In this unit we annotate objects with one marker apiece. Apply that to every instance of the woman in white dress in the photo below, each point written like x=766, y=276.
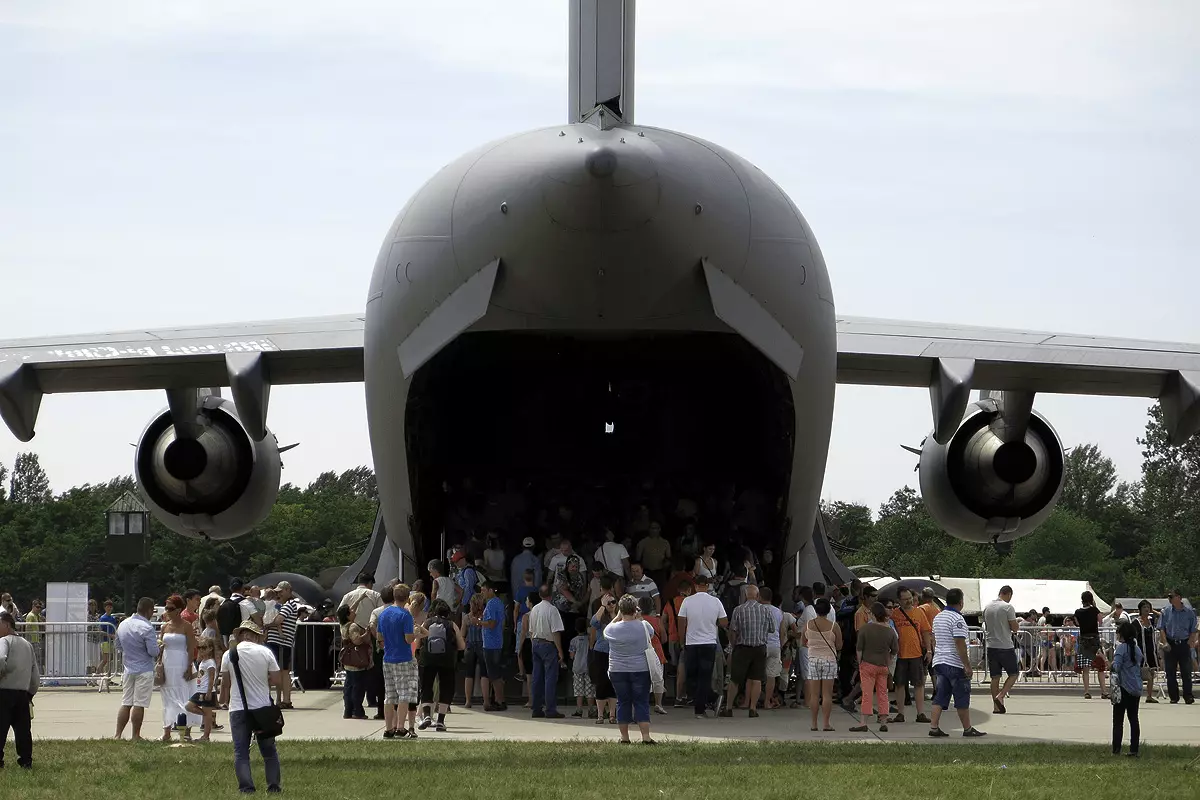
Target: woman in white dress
x=176, y=648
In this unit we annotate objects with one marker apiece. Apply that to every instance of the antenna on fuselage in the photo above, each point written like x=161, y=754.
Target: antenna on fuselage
x=600, y=58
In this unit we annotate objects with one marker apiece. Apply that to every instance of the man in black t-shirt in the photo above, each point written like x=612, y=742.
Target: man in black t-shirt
x=1088, y=618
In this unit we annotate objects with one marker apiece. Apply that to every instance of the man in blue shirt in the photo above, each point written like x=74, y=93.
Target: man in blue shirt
x=138, y=644
x=108, y=632
x=467, y=578
x=524, y=561
x=493, y=648
x=1178, y=625
x=400, y=684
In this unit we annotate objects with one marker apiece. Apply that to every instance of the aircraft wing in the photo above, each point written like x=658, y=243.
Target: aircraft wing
x=946, y=358
x=953, y=359
x=312, y=350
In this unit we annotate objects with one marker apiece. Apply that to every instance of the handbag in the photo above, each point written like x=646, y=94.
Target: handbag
x=651, y=656
x=160, y=673
x=355, y=656
x=266, y=721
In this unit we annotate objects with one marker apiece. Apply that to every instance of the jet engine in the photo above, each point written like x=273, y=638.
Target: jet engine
x=993, y=481
x=215, y=482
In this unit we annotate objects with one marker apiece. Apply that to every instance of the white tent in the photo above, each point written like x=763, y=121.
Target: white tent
x=1062, y=597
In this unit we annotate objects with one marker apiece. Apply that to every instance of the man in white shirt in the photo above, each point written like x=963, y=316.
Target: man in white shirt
x=256, y=671
x=699, y=617
x=613, y=555
x=952, y=665
x=1001, y=623
x=558, y=561
x=545, y=628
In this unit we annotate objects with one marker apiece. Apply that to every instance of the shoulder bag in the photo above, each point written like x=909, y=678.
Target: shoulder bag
x=266, y=721
x=652, y=663
x=355, y=656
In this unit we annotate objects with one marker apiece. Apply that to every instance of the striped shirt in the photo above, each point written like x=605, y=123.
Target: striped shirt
x=285, y=634
x=948, y=626
x=753, y=623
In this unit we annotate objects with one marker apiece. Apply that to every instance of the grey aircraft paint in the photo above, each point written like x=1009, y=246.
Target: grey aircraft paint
x=602, y=227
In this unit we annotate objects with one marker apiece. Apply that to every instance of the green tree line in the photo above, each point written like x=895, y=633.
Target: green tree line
x=46, y=537
x=1128, y=539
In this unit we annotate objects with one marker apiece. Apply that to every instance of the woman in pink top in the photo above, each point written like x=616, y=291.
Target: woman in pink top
x=824, y=641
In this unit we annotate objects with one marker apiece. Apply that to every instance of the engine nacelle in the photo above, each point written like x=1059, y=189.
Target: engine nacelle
x=216, y=486
x=982, y=489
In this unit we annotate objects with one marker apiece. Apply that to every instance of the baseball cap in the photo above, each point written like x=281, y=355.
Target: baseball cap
x=527, y=541
x=283, y=585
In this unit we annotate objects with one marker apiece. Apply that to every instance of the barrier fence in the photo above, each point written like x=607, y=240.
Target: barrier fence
x=85, y=654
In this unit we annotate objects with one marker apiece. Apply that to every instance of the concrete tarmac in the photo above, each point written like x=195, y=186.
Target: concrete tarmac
x=1034, y=715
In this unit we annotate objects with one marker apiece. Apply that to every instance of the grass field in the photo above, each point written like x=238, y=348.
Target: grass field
x=493, y=770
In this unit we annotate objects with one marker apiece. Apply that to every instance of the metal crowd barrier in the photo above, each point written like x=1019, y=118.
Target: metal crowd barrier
x=85, y=654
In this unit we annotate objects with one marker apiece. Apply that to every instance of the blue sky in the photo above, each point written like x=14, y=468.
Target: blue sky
x=1017, y=164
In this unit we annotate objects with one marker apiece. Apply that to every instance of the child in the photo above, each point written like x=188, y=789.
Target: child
x=584, y=691
x=443, y=587
x=204, y=700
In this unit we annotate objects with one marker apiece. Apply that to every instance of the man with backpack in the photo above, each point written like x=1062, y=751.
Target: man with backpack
x=234, y=610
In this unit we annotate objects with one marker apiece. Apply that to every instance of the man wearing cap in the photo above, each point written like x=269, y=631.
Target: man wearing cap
x=258, y=672
x=281, y=638
x=525, y=560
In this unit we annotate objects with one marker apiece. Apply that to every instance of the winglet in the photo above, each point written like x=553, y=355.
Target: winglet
x=20, y=398
x=1180, y=401
x=949, y=391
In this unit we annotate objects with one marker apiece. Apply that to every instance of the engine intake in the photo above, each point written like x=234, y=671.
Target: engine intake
x=218, y=485
x=980, y=488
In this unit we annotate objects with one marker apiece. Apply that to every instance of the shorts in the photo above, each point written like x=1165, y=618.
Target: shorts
x=774, y=663
x=201, y=701
x=136, y=689
x=400, y=683
x=493, y=664
x=582, y=685
x=951, y=682
x=910, y=672
x=106, y=648
x=283, y=654
x=1002, y=660
x=822, y=669
x=472, y=657
x=748, y=664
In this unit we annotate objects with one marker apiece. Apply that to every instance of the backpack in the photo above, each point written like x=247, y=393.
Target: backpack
x=438, y=642
x=229, y=616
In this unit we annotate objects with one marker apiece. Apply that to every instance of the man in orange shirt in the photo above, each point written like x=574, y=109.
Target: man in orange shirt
x=916, y=652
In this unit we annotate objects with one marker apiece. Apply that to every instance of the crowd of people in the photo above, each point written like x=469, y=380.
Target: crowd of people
x=616, y=632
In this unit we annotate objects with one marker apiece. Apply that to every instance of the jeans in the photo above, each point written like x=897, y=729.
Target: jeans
x=1128, y=707
x=545, y=677
x=1179, y=658
x=14, y=713
x=353, y=691
x=240, y=728
x=700, y=659
x=633, y=696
